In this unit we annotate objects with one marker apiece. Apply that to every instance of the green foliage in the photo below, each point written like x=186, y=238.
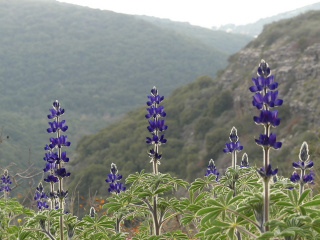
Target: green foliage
x=226, y=42
x=99, y=64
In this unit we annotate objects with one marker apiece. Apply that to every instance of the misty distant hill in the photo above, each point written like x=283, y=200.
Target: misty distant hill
x=227, y=42
x=98, y=64
x=201, y=114
x=254, y=29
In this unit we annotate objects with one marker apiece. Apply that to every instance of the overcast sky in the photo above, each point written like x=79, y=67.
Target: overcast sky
x=206, y=13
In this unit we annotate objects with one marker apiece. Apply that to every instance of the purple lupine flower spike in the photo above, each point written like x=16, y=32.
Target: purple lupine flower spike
x=234, y=144
x=113, y=180
x=211, y=169
x=41, y=197
x=156, y=126
x=5, y=182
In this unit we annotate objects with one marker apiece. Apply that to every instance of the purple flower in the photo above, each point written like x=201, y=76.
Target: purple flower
x=234, y=144
x=50, y=166
x=157, y=125
x=231, y=146
x=56, y=111
x=266, y=117
x=302, y=164
x=268, y=173
x=5, y=181
x=270, y=99
x=153, y=155
x=64, y=157
x=308, y=178
x=211, y=169
x=61, y=172
x=51, y=157
x=295, y=177
x=155, y=112
x=116, y=187
x=113, y=178
x=42, y=204
x=62, y=194
x=51, y=178
x=156, y=140
x=54, y=126
x=271, y=141
x=261, y=82
x=59, y=142
x=41, y=197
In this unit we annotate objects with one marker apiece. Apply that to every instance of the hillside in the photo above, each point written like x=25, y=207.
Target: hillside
x=226, y=42
x=98, y=64
x=254, y=29
x=201, y=114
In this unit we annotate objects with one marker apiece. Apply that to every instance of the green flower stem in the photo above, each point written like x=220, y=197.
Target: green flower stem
x=240, y=229
x=266, y=187
x=301, y=185
x=234, y=159
x=60, y=186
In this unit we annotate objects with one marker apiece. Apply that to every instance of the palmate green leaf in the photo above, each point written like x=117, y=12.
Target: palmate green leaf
x=266, y=235
x=210, y=216
x=212, y=230
x=302, y=210
x=134, y=178
x=286, y=233
x=146, y=193
x=200, y=197
x=175, y=235
x=312, y=203
x=220, y=224
x=194, y=207
x=24, y=234
x=228, y=197
x=286, y=204
x=303, y=195
x=187, y=218
x=162, y=190
x=207, y=210
x=214, y=203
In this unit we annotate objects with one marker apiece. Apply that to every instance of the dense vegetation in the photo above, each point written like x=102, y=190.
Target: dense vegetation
x=226, y=42
x=97, y=63
x=200, y=115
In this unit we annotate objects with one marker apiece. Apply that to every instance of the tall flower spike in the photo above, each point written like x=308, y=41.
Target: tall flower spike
x=264, y=99
x=303, y=164
x=41, y=197
x=5, y=182
x=55, y=160
x=156, y=125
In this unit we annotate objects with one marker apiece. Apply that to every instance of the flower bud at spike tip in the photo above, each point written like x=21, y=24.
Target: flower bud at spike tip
x=304, y=152
x=113, y=169
x=244, y=161
x=263, y=69
x=233, y=135
x=92, y=212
